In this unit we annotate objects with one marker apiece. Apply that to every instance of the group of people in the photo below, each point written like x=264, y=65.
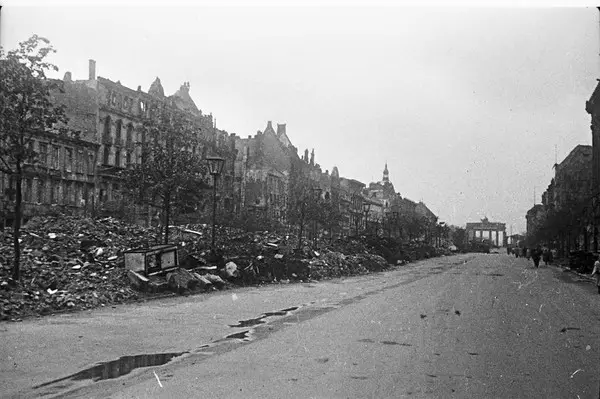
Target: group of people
x=536, y=254
x=547, y=256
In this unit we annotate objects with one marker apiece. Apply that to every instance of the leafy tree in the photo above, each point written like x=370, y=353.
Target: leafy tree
x=459, y=237
x=413, y=224
x=26, y=109
x=331, y=215
x=170, y=174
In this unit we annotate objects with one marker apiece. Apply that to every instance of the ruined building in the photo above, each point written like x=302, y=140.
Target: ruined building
x=79, y=175
x=263, y=173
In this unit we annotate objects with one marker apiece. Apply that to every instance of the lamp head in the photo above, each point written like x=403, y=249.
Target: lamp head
x=215, y=165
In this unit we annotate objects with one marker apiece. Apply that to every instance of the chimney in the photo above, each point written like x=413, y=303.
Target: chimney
x=92, y=68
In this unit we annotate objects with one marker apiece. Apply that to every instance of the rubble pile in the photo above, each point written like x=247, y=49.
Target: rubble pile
x=67, y=263
x=74, y=263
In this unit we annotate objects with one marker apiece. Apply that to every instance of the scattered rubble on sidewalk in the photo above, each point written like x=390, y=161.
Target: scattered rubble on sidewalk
x=74, y=263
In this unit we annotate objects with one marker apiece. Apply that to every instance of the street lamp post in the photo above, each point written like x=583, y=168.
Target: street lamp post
x=215, y=167
x=442, y=224
x=366, y=209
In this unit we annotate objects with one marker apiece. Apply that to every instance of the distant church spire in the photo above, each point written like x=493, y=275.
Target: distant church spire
x=386, y=174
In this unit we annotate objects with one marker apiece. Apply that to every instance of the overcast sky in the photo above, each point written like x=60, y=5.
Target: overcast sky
x=467, y=105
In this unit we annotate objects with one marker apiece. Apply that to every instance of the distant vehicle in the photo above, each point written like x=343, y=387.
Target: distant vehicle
x=483, y=246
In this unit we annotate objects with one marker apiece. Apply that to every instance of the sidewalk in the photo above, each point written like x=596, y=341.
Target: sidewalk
x=564, y=264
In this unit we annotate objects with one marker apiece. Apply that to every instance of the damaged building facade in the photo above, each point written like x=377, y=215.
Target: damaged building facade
x=263, y=173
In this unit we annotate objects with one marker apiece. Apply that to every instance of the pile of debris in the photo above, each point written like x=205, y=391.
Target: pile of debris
x=72, y=263
x=67, y=263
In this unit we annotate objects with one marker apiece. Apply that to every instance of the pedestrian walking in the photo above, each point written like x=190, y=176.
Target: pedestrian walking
x=546, y=256
x=536, y=255
x=596, y=273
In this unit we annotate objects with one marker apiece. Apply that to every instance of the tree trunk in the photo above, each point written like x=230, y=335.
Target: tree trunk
x=301, y=226
x=17, y=225
x=167, y=211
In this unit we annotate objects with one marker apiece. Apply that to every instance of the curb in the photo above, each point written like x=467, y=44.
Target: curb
x=568, y=269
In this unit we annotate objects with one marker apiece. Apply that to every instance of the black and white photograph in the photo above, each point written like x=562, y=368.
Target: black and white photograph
x=299, y=199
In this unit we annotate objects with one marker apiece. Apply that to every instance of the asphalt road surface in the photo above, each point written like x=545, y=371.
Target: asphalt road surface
x=465, y=326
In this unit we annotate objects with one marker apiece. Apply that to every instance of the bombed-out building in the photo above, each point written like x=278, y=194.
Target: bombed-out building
x=79, y=173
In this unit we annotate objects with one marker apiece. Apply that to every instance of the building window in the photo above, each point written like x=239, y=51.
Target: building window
x=80, y=161
x=40, y=191
x=44, y=154
x=117, y=158
x=27, y=188
x=51, y=191
x=106, y=156
x=30, y=154
x=78, y=194
x=106, y=133
x=68, y=193
x=54, y=191
x=128, y=158
x=55, y=157
x=116, y=194
x=118, y=132
x=90, y=163
x=68, y=159
x=129, y=135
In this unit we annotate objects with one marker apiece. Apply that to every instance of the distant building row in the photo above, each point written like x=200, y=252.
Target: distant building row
x=567, y=218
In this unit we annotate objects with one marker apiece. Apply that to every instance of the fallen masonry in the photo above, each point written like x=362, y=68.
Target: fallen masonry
x=74, y=263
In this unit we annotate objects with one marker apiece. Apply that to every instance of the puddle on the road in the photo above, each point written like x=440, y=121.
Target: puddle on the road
x=239, y=335
x=116, y=368
x=565, y=329
x=269, y=314
x=249, y=322
x=395, y=343
x=260, y=320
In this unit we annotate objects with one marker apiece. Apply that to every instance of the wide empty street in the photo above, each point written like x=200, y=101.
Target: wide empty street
x=471, y=325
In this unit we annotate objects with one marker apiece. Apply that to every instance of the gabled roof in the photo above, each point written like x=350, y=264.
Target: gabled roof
x=183, y=100
x=156, y=88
